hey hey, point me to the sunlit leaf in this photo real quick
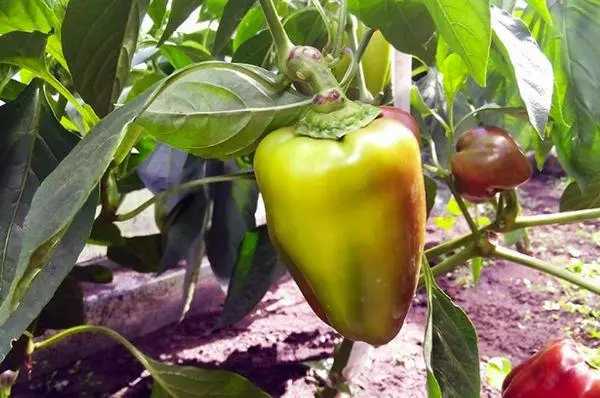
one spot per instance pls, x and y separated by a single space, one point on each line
466 27
99 40
450 346
532 69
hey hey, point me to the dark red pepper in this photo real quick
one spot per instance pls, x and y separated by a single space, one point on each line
487 161
558 370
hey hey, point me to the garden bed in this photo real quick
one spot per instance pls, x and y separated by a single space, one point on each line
514 309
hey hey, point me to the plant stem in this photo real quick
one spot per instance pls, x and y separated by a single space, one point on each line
108 196
109 333
280 37
448 246
356 68
342 354
205 38
463 207
520 222
451 262
358 50
249 175
540 265
83 329
90 117
323 15
418 70
556 218
339 38
474 112
441 171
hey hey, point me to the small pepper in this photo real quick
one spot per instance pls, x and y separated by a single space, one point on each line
487 161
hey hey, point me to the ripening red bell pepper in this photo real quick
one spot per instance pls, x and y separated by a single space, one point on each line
487 161
558 370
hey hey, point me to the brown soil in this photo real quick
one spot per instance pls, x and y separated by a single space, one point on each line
272 345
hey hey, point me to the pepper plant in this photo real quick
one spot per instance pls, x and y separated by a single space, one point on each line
104 98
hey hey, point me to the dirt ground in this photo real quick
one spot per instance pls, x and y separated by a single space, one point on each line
512 308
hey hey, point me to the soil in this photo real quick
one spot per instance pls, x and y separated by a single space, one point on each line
272 346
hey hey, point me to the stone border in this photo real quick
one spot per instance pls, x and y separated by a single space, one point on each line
134 305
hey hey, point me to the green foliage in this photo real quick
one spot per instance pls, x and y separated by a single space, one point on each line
244 103
578 142
531 67
573 198
450 346
256 269
466 26
180 11
417 36
98 42
497 368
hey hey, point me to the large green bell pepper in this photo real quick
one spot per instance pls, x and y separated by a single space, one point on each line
348 219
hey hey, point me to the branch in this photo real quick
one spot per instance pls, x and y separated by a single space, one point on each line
540 265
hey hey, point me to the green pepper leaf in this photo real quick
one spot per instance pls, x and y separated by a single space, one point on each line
44 285
541 7
25 50
180 11
304 27
26 16
252 23
219 110
430 193
184 224
578 144
233 13
99 40
31 16
175 381
92 273
31 146
450 347
185 54
140 253
190 382
157 11
497 369
533 71
63 193
417 35
105 234
574 199
454 76
255 50
256 269
195 257
466 27
233 216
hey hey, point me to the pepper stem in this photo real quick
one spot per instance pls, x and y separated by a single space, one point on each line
340 361
282 41
332 114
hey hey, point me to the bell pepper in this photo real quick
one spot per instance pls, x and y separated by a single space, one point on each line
558 370
376 62
347 217
487 161
404 117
